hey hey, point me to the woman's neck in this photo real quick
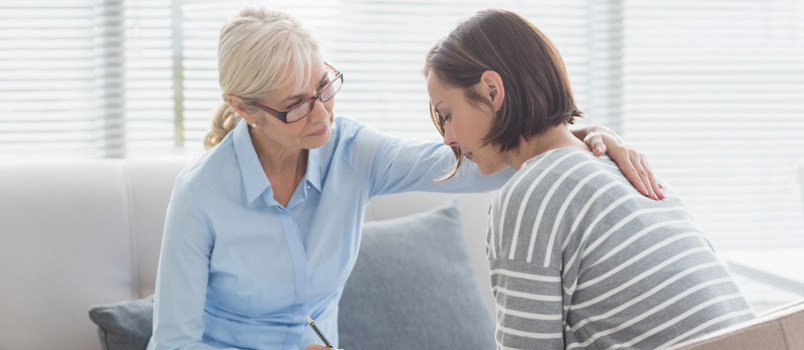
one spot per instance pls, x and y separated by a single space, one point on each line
552 138
284 167
275 158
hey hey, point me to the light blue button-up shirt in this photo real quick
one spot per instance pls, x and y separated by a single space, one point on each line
239 270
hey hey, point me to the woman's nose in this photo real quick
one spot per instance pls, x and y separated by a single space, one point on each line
449 140
321 110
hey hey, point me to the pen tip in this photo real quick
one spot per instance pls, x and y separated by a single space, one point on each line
309 320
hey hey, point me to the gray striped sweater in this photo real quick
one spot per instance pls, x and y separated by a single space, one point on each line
580 260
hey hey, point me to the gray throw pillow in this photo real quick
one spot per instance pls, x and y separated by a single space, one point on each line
125 325
413 287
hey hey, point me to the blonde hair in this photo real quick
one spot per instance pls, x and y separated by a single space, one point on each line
259 50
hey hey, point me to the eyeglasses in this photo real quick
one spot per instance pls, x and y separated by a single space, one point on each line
302 109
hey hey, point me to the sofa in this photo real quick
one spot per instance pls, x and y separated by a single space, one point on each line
78 233
84 232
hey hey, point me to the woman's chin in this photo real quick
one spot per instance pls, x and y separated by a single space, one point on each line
318 141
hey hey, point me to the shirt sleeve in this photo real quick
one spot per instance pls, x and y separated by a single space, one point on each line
181 279
391 164
530 313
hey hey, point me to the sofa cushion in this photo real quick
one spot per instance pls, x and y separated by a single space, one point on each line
125 325
413 287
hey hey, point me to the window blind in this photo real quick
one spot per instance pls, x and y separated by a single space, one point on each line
714 94
151 100
150 80
380 47
48 78
85 78
711 90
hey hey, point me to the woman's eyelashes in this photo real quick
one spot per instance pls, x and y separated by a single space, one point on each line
293 104
321 86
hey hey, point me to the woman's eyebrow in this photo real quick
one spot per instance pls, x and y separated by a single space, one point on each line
293 98
323 80
298 97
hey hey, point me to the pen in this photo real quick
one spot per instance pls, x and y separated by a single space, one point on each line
320 335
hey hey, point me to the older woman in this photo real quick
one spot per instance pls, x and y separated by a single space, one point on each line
264 228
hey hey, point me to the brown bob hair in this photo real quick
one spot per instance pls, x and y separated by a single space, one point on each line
537 89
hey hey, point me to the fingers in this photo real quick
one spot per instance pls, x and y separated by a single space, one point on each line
620 154
632 163
316 347
644 175
595 142
625 161
654 184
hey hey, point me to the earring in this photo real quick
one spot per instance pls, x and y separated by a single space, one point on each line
254 125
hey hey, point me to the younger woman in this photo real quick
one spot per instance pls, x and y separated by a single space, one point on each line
578 258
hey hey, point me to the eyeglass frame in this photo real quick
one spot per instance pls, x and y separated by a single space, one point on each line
283 116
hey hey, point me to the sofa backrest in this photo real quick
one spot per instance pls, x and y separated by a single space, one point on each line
76 232
150 184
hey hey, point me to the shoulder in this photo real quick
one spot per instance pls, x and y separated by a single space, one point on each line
210 169
538 204
550 167
578 180
352 139
346 130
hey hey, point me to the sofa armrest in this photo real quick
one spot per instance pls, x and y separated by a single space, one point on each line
779 329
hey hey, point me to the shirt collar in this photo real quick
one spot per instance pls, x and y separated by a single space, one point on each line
254 179
313 174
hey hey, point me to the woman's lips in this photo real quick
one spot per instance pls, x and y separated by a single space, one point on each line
320 132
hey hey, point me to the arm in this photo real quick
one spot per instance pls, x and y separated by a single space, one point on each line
529 298
526 277
391 164
181 280
633 163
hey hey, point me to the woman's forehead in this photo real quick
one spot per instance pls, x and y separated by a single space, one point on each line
303 85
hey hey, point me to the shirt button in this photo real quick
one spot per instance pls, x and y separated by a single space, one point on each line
308 187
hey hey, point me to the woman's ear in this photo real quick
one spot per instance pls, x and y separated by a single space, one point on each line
240 108
492 85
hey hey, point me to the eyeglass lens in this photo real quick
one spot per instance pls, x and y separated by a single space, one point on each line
326 95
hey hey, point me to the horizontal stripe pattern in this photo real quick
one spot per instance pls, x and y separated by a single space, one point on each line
580 260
